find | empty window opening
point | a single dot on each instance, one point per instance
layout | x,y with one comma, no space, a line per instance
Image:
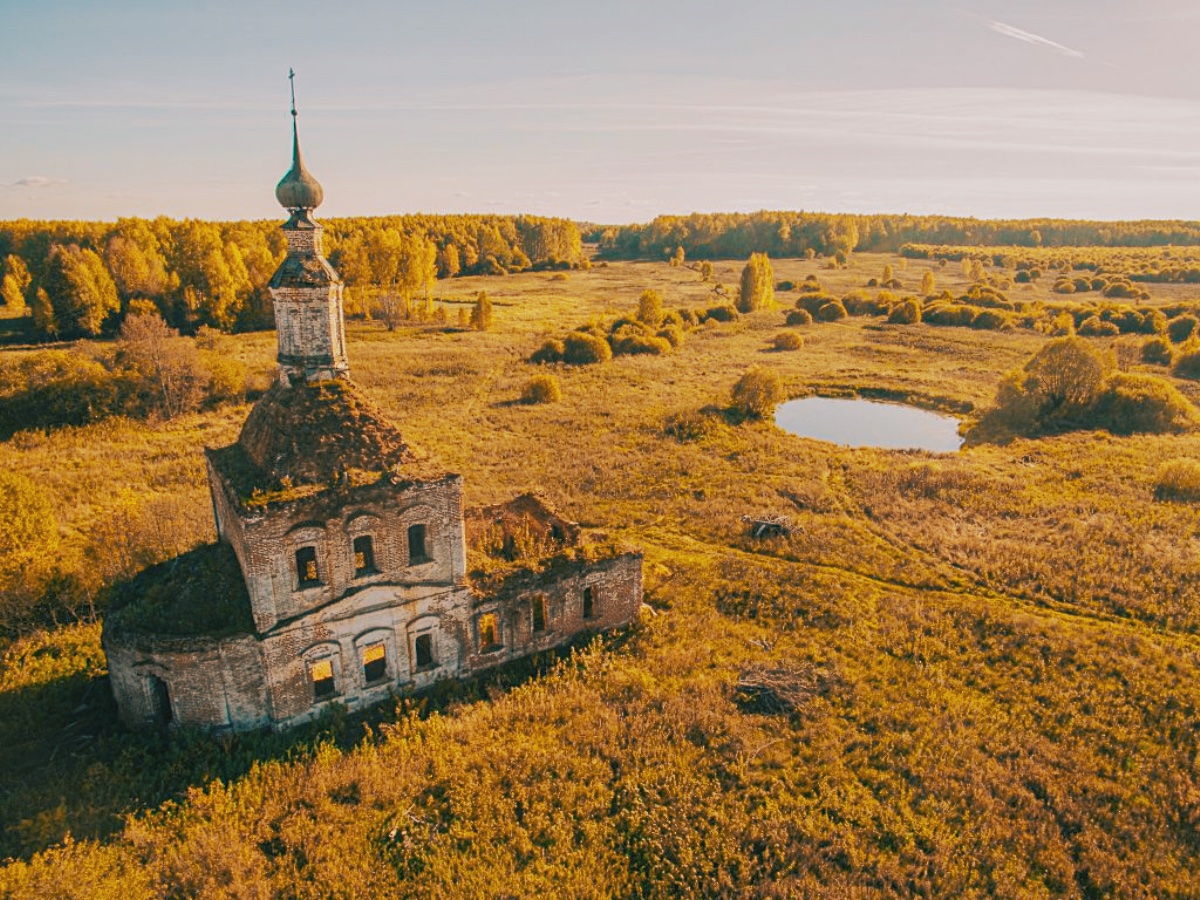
322,679
423,646
416,544
589,603
160,699
374,662
306,567
539,614
364,556
487,633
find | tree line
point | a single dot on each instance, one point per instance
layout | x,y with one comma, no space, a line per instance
794,234
76,279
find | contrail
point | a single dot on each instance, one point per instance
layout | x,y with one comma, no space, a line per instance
1030,38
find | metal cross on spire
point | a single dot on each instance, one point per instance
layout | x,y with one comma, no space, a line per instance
292,83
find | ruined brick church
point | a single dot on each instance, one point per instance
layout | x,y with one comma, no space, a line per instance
340,571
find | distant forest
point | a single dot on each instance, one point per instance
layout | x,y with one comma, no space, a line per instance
76,279
793,234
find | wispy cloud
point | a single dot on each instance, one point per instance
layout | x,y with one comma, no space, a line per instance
1030,38
38,181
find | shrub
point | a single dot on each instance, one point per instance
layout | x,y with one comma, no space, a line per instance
1063,287
542,389
1094,326
581,348
1178,479
722,312
798,317
688,426
633,344
673,335
811,303
650,308
549,352
785,286
1157,351
1133,403
907,312
758,284
757,392
787,340
559,276
481,312
953,314
687,317
831,312
991,320
1181,328
1187,364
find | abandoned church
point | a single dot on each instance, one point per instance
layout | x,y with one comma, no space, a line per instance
340,571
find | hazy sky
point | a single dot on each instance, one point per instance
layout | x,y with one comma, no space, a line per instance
609,111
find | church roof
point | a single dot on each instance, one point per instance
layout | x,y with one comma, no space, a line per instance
298,189
311,434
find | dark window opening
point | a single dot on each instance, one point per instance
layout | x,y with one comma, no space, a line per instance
322,679
364,556
160,699
416,545
487,633
374,662
424,650
589,603
306,567
539,614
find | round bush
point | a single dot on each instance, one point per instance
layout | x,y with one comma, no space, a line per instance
787,340
542,389
1187,365
724,312
1182,327
798,317
906,312
673,335
1094,326
581,348
549,352
1132,403
991,320
1157,352
757,392
831,312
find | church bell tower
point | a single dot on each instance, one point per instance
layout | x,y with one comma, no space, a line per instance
305,289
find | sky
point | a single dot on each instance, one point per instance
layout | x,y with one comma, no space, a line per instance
610,112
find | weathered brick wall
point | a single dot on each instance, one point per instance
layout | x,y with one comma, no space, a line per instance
212,683
388,615
329,522
616,586
308,322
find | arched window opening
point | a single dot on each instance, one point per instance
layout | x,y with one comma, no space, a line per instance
364,556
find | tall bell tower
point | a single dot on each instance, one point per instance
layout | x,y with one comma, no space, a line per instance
305,289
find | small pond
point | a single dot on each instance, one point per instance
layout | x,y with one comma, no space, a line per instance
868,423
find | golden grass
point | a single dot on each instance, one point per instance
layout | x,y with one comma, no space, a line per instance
1007,638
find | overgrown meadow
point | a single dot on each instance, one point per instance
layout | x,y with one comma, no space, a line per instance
958,675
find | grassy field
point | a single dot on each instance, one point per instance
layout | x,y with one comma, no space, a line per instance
991,657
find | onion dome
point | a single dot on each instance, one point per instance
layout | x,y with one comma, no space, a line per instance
298,189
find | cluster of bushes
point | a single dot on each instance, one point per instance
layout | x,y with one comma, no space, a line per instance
650,331
1069,385
153,372
1109,265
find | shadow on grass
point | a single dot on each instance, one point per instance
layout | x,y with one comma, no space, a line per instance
68,767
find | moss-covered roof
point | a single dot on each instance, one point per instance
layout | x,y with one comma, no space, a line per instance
201,592
312,433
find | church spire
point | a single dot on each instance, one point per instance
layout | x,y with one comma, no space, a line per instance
298,189
305,289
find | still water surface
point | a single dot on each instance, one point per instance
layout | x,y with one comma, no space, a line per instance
867,423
